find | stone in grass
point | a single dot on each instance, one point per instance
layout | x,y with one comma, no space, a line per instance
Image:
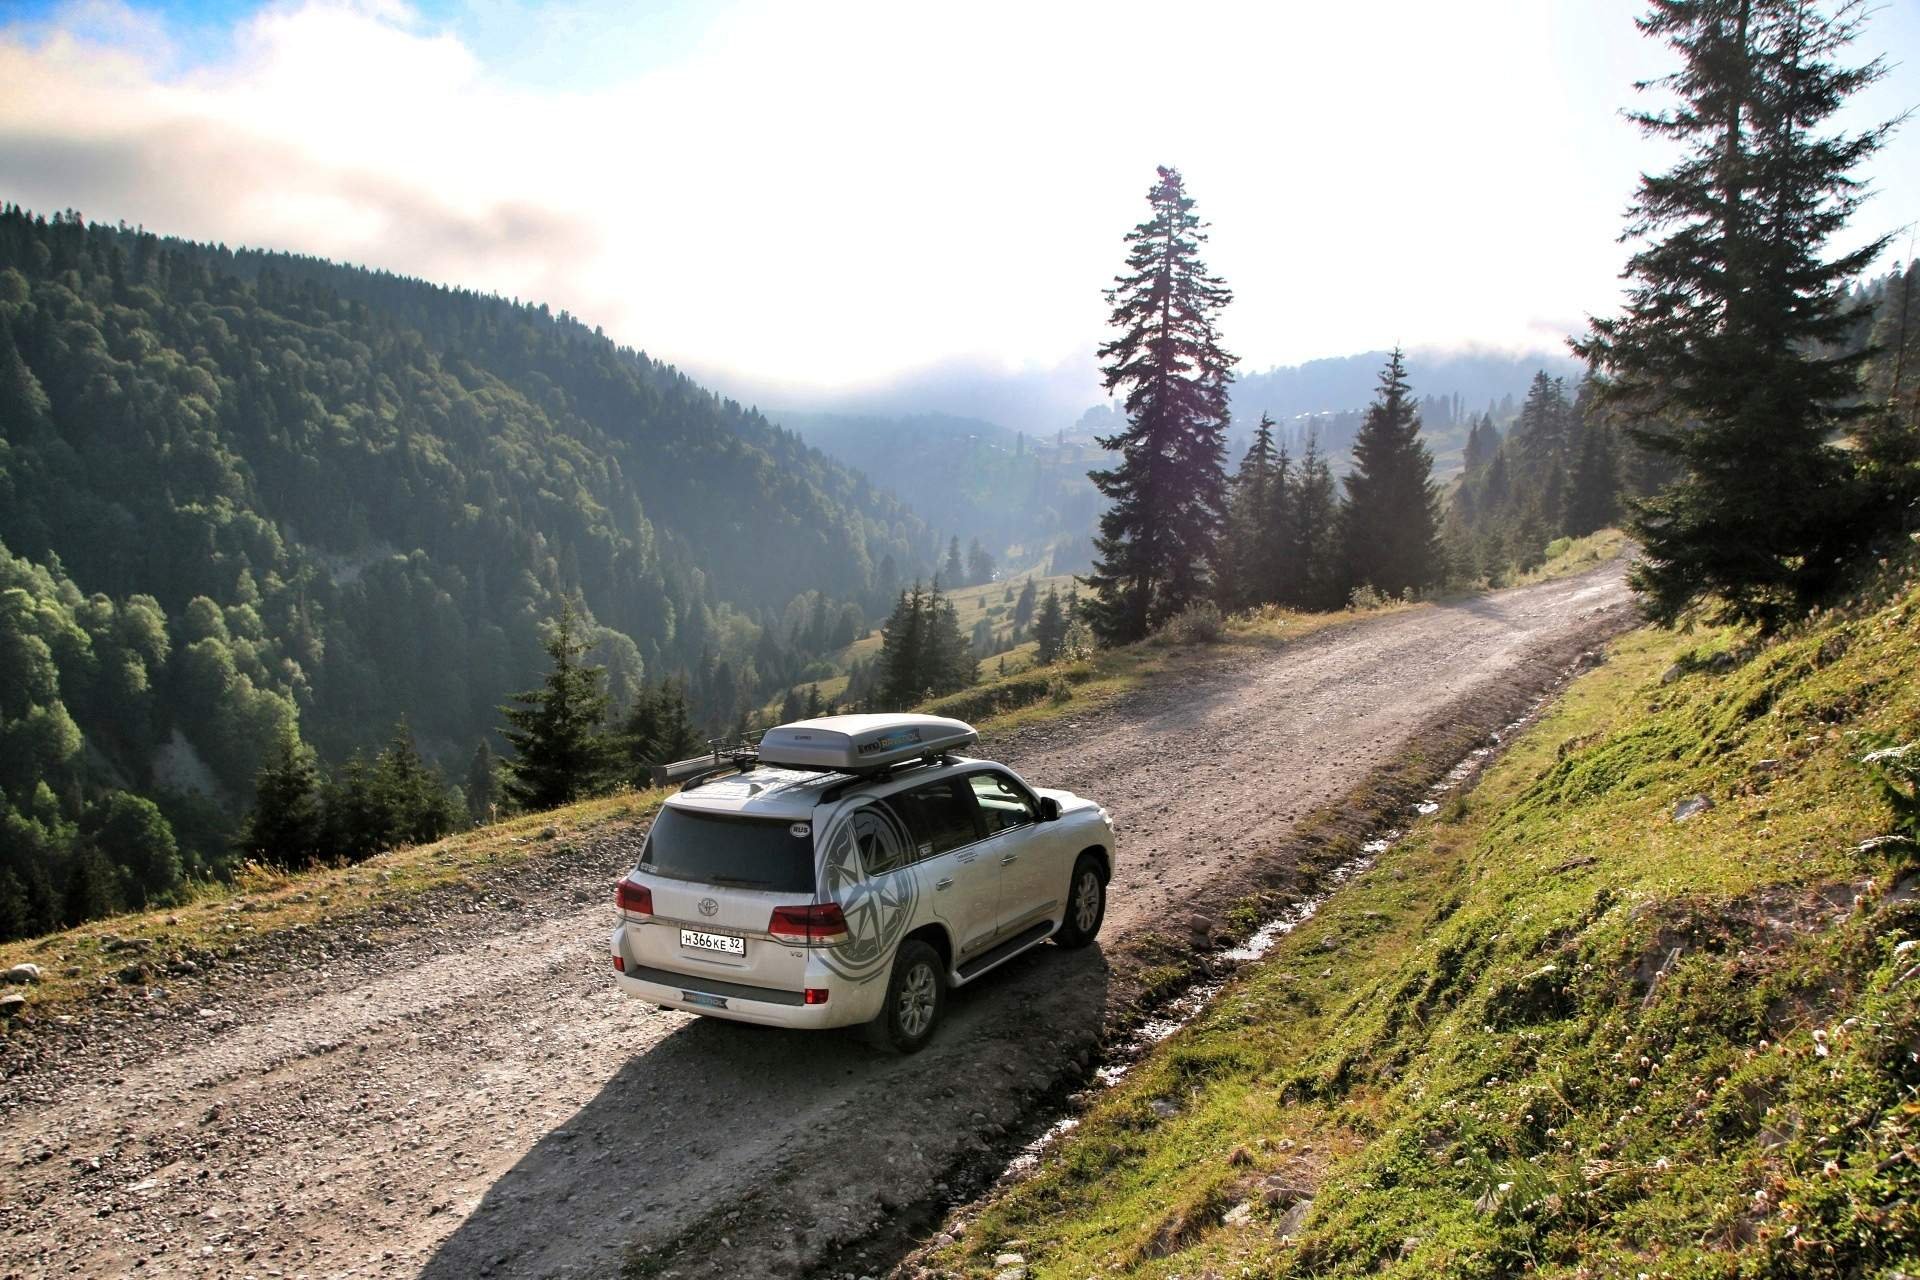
1238,1216
12,1004
21,974
1691,806
1290,1222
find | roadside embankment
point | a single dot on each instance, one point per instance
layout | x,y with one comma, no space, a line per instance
1646,1001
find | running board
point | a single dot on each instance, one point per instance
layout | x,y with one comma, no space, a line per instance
1030,936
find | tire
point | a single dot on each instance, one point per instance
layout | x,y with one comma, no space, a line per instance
916,997
1086,904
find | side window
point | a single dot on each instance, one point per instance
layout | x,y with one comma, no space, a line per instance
1003,802
939,817
881,838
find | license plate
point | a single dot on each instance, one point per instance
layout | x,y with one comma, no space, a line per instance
722,942
704,1000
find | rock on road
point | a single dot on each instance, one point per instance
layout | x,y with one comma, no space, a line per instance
474,1098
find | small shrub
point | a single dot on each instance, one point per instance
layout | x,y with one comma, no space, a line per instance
1059,691
1366,596
1201,623
1077,644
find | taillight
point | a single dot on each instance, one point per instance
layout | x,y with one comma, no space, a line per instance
816,995
821,925
635,899
620,964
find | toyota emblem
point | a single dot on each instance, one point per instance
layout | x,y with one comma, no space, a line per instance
708,907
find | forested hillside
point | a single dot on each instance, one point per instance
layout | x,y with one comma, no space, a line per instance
1019,495
243,493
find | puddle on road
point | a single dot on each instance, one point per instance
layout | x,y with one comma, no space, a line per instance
1189,1004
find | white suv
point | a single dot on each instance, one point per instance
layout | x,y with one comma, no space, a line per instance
848,871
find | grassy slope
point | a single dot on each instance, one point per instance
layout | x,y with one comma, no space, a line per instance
1555,1030
224,919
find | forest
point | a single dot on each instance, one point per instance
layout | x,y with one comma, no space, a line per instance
247,496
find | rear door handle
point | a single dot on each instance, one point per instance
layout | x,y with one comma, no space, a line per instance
1010,859
944,884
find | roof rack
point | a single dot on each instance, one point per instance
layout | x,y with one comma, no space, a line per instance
735,752
865,747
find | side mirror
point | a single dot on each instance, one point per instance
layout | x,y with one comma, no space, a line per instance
1049,809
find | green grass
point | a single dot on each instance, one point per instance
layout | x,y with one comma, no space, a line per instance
1567,556
1555,1031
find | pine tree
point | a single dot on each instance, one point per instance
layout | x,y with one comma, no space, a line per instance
1023,607
1725,353
903,644
979,564
659,730
956,568
1594,502
1391,522
561,751
413,803
1482,441
791,707
1253,563
286,827
1313,535
483,786
1049,630
1158,538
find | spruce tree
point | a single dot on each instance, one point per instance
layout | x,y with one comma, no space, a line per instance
1726,353
903,645
482,786
286,827
1157,546
1391,522
1594,500
1313,535
1049,630
414,803
1253,561
561,750
1482,441
659,730
1023,607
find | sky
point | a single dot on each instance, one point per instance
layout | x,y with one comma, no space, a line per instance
814,204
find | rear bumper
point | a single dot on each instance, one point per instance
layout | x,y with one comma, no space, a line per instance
846,1004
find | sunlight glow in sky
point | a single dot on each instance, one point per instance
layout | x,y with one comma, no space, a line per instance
816,199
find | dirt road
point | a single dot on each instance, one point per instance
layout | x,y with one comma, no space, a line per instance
470,1097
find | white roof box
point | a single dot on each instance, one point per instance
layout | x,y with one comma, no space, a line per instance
858,744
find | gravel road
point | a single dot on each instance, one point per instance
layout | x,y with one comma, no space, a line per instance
464,1094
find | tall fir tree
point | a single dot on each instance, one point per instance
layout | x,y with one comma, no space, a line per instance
286,827
1593,501
1158,542
1254,567
482,785
1313,535
1049,629
1391,522
1726,352
561,750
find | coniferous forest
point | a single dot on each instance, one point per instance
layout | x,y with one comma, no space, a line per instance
262,508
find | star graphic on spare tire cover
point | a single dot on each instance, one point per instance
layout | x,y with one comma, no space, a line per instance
867,874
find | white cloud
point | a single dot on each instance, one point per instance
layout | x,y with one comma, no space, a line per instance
832,196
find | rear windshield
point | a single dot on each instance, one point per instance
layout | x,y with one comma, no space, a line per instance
744,853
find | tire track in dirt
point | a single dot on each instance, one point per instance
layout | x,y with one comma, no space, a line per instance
471,1097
